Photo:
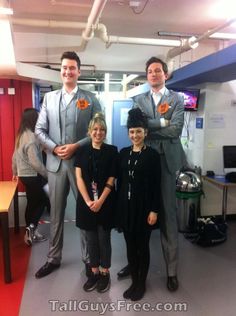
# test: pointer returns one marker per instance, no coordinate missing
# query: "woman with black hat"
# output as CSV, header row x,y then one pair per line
x,y
139,199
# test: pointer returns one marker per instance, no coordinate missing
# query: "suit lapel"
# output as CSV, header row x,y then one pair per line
x,y
57,108
167,98
79,95
148,104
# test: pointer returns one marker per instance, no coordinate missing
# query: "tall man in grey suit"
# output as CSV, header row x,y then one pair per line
x,y
62,127
165,111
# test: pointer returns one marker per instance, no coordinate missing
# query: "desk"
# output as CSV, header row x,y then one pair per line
x,y
8,192
221,182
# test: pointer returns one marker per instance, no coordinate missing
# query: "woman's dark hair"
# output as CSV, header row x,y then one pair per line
x,y
72,56
28,121
136,118
159,61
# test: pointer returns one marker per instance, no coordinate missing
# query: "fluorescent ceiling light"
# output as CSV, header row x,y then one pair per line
x,y
7,56
223,35
223,9
6,11
216,35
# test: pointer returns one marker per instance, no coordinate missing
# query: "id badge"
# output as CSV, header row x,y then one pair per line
x,y
94,190
129,192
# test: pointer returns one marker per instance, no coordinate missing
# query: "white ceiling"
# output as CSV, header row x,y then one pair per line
x,y
44,45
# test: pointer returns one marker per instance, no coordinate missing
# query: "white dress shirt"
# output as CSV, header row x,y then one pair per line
x,y
157,96
68,96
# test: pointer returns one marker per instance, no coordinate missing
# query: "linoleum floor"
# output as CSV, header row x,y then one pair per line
x,y
207,281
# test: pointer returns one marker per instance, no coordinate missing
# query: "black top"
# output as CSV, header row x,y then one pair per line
x,y
139,188
96,165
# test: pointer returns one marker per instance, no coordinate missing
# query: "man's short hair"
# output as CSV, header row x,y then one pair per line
x,y
73,56
157,60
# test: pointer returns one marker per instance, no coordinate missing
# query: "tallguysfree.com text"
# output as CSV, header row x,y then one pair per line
x,y
119,305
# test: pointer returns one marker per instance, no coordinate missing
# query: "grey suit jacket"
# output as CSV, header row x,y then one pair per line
x,y
166,140
48,129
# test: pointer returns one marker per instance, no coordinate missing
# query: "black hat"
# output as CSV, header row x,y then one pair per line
x,y
137,118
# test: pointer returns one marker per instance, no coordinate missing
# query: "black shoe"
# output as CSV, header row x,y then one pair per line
x,y
128,293
124,272
88,270
104,282
91,283
138,292
46,269
172,283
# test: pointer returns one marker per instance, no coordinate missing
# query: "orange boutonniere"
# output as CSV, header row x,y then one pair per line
x,y
163,108
82,104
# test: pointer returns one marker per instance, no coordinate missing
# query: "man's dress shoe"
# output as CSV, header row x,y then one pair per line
x,y
124,272
172,283
46,269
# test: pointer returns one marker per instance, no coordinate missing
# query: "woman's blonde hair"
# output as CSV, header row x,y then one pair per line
x,y
98,118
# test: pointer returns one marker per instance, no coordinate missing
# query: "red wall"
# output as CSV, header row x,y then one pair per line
x,y
11,107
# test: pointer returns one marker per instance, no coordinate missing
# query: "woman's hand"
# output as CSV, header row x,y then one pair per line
x,y
89,203
96,206
15,178
152,218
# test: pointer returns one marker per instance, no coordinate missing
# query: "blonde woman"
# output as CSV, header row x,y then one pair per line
x,y
95,173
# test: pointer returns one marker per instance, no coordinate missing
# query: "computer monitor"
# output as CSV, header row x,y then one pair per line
x,y
229,158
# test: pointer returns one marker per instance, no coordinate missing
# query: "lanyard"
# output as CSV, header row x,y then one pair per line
x,y
131,169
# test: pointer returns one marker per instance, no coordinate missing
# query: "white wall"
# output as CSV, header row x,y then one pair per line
x,y
203,147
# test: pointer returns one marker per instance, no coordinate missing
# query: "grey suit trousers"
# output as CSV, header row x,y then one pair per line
x,y
59,187
168,219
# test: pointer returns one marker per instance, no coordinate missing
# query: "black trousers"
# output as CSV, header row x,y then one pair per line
x,y
37,199
138,254
99,247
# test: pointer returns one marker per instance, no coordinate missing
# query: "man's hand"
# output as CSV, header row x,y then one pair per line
x,y
152,218
65,152
167,122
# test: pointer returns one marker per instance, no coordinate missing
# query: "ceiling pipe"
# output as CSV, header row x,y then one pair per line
x,y
191,43
48,23
67,3
94,16
143,41
93,27
89,27
101,32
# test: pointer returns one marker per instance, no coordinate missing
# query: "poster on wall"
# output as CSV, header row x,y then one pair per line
x,y
216,120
